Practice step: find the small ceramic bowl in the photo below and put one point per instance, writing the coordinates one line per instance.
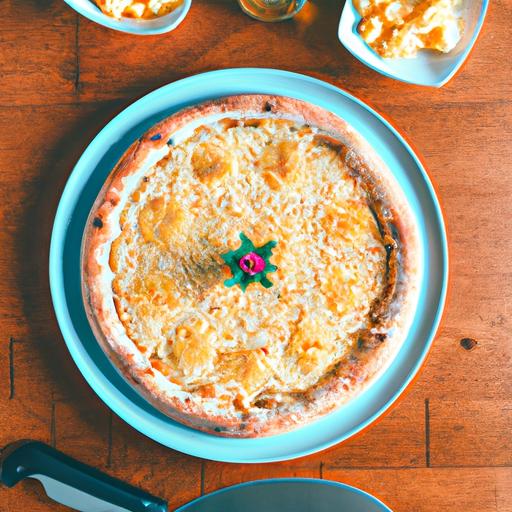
(429, 68)
(153, 26)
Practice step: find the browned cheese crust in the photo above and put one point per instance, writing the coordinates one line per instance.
(390, 315)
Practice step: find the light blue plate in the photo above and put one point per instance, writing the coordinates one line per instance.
(287, 495)
(85, 183)
(430, 68)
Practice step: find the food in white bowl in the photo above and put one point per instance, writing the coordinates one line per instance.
(399, 28)
(429, 67)
(139, 9)
(147, 25)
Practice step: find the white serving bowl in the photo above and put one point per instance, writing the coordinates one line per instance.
(158, 25)
(429, 68)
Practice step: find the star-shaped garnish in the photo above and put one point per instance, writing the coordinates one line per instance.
(250, 264)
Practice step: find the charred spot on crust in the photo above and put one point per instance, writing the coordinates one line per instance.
(368, 340)
(268, 106)
(389, 253)
(325, 140)
(352, 359)
(145, 179)
(381, 337)
(97, 222)
(376, 218)
(157, 136)
(381, 308)
(394, 232)
(391, 242)
(220, 429)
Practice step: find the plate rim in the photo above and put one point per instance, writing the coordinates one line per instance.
(286, 480)
(57, 288)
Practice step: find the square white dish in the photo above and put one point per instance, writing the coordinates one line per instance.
(154, 26)
(429, 68)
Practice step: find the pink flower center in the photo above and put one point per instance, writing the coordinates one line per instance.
(252, 263)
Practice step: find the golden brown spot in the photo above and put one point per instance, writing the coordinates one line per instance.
(272, 180)
(253, 123)
(312, 359)
(211, 162)
(162, 367)
(194, 347)
(207, 391)
(183, 332)
(281, 158)
(173, 224)
(150, 216)
(115, 253)
(229, 123)
(246, 367)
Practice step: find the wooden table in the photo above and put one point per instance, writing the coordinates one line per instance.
(448, 444)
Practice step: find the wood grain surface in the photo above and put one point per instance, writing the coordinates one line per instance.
(447, 445)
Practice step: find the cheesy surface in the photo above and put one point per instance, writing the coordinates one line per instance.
(271, 179)
(399, 28)
(137, 8)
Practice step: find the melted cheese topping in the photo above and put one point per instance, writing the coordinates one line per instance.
(272, 180)
(399, 28)
(138, 8)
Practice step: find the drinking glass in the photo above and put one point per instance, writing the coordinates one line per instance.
(271, 10)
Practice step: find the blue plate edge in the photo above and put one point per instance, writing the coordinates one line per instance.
(55, 282)
(272, 481)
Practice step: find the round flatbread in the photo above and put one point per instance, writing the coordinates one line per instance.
(250, 265)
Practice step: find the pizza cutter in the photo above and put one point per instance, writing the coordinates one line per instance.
(87, 489)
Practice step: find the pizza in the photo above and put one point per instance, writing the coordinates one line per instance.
(250, 265)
